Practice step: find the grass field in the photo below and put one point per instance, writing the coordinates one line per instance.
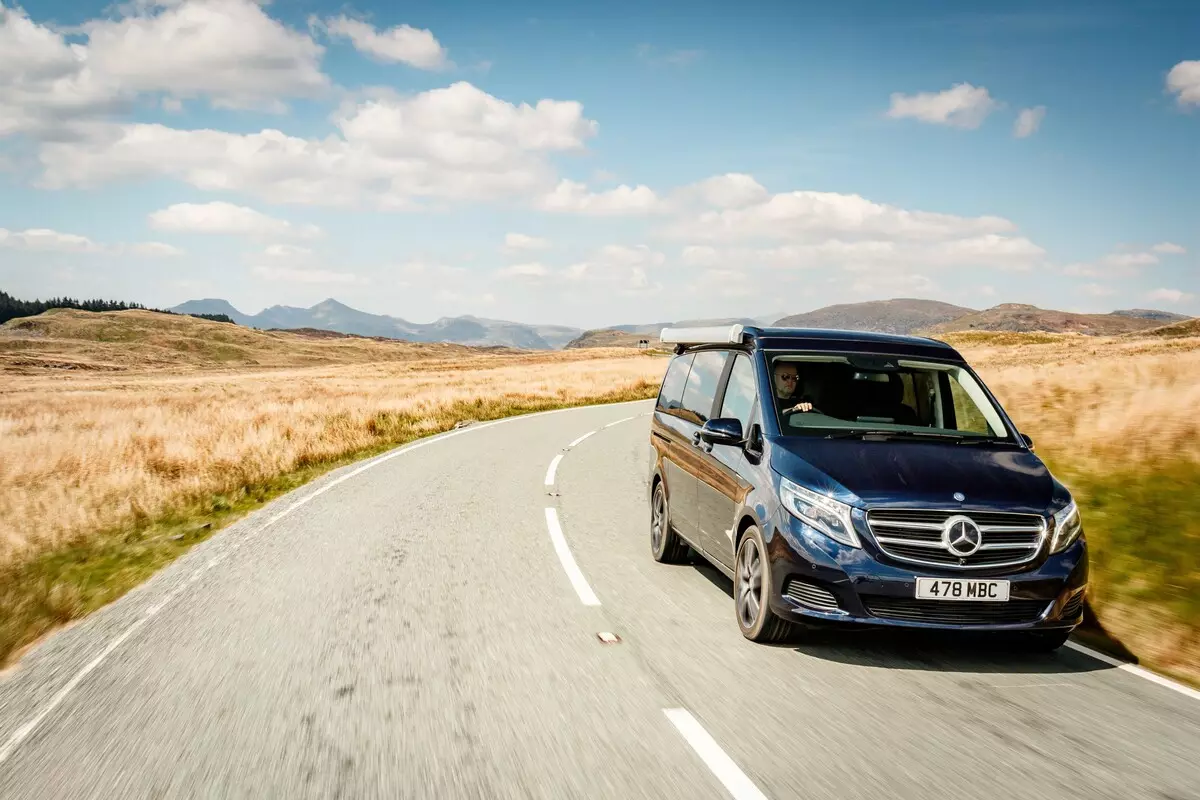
(1118, 421)
(128, 437)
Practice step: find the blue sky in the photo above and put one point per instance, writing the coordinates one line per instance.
(677, 161)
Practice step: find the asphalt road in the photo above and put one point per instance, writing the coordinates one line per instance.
(412, 629)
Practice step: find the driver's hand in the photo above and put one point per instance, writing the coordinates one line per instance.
(802, 407)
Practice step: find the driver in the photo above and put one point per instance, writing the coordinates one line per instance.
(787, 382)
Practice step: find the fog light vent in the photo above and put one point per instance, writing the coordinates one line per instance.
(811, 595)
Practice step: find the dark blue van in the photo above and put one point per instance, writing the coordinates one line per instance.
(861, 479)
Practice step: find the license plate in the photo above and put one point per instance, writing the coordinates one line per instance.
(962, 589)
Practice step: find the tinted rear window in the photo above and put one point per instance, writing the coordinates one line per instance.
(670, 396)
(740, 393)
(701, 387)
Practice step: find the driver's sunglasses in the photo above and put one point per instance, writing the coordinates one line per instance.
(789, 377)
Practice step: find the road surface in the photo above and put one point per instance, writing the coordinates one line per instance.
(428, 624)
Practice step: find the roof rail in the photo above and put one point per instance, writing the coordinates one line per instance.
(721, 334)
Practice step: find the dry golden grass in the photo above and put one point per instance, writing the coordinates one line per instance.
(1133, 401)
(86, 453)
(1118, 420)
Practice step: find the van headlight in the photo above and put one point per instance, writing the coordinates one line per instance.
(823, 513)
(1067, 527)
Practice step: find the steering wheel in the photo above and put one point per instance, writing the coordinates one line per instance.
(793, 410)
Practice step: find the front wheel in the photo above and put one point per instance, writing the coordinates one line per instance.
(752, 589)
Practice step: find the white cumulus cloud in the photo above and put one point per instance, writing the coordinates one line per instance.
(456, 142)
(1170, 295)
(519, 241)
(1184, 81)
(806, 213)
(625, 269)
(228, 51)
(961, 106)
(732, 190)
(220, 217)
(403, 43)
(700, 255)
(1028, 121)
(1170, 248)
(157, 249)
(529, 270)
(1115, 264)
(46, 240)
(572, 196)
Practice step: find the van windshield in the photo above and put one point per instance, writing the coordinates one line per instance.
(832, 394)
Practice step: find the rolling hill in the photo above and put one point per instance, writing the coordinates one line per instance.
(1186, 328)
(900, 315)
(334, 316)
(1023, 318)
(1163, 317)
(117, 341)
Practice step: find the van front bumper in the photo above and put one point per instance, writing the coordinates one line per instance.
(817, 580)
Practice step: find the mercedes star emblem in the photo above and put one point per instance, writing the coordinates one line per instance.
(961, 536)
(959, 496)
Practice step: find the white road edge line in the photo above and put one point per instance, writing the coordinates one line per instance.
(23, 732)
(553, 467)
(586, 595)
(722, 766)
(1136, 670)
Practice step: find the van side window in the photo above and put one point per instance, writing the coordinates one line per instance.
(701, 389)
(740, 392)
(670, 396)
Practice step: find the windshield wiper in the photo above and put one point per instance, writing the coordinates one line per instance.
(858, 433)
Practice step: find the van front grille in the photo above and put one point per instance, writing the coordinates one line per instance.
(919, 536)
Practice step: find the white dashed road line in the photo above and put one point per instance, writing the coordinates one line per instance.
(722, 766)
(553, 467)
(580, 439)
(586, 595)
(23, 732)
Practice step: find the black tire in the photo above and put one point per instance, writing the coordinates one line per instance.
(1042, 641)
(755, 618)
(665, 544)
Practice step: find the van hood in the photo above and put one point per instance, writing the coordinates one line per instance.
(918, 473)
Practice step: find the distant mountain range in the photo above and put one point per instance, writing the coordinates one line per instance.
(899, 315)
(334, 316)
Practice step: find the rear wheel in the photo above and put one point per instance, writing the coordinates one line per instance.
(665, 544)
(751, 590)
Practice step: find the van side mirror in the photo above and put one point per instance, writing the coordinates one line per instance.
(1027, 440)
(724, 430)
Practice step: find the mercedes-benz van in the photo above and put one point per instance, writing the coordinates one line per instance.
(841, 477)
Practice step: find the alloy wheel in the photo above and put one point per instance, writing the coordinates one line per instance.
(749, 583)
(657, 518)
